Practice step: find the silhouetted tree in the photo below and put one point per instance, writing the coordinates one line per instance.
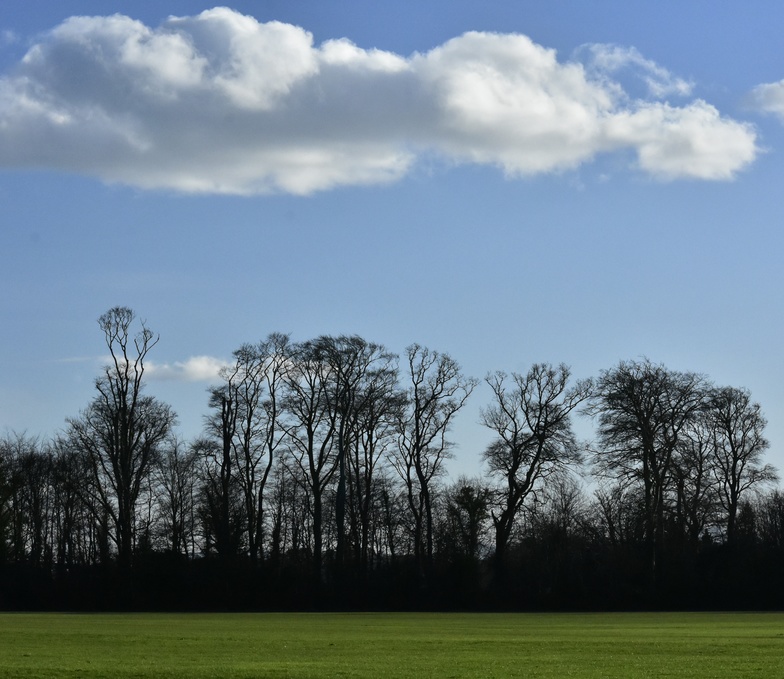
(563, 505)
(436, 392)
(82, 525)
(643, 411)
(291, 533)
(355, 370)
(25, 484)
(33, 493)
(176, 485)
(531, 419)
(311, 426)
(558, 528)
(5, 496)
(695, 503)
(248, 426)
(375, 410)
(122, 429)
(392, 510)
(618, 514)
(467, 516)
(217, 453)
(738, 445)
(320, 478)
(771, 520)
(220, 503)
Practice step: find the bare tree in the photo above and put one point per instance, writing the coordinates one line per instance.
(220, 503)
(311, 426)
(122, 429)
(617, 514)
(176, 476)
(355, 369)
(563, 508)
(364, 396)
(531, 419)
(695, 489)
(75, 510)
(771, 519)
(643, 411)
(249, 431)
(738, 445)
(436, 392)
(217, 453)
(391, 510)
(291, 534)
(378, 408)
(26, 462)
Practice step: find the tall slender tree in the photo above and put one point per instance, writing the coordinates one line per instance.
(436, 392)
(379, 405)
(252, 387)
(122, 429)
(176, 498)
(695, 497)
(361, 381)
(311, 426)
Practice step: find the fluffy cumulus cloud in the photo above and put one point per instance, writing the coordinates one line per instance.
(770, 98)
(195, 369)
(222, 103)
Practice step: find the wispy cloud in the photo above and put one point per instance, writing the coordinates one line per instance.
(608, 61)
(222, 103)
(769, 98)
(194, 369)
(8, 38)
(77, 359)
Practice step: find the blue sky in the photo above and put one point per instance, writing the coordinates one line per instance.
(507, 182)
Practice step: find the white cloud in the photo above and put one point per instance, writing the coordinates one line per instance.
(222, 103)
(194, 369)
(694, 141)
(502, 99)
(604, 61)
(769, 98)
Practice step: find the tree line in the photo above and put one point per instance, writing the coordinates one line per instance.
(319, 480)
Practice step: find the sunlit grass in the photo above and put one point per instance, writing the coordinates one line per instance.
(392, 645)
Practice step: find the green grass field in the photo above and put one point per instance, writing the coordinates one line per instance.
(729, 645)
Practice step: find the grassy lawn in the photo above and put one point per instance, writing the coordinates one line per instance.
(729, 645)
